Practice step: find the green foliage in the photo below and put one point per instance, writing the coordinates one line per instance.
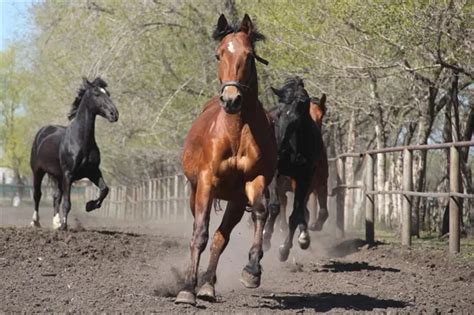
(13, 123)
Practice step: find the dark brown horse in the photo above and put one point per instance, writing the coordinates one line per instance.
(302, 165)
(319, 187)
(70, 153)
(229, 153)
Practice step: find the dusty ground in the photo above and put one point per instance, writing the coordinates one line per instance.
(138, 267)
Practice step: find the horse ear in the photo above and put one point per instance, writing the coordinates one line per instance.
(322, 103)
(276, 91)
(246, 26)
(86, 82)
(222, 24)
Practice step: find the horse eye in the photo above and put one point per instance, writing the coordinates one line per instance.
(217, 57)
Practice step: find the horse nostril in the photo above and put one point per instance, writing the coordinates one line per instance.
(237, 100)
(221, 98)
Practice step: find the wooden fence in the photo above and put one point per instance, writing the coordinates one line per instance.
(407, 192)
(165, 198)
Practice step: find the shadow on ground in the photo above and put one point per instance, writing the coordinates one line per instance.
(349, 246)
(325, 302)
(338, 266)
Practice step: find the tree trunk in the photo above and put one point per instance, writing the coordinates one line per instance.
(349, 165)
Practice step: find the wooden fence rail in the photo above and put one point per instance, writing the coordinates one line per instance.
(165, 198)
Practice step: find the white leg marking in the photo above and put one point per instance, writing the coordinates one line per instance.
(56, 221)
(36, 218)
(304, 236)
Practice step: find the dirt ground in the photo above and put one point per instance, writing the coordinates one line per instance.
(101, 265)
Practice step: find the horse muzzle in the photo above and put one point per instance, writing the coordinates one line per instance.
(231, 97)
(112, 116)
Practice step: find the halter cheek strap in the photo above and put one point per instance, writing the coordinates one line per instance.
(237, 84)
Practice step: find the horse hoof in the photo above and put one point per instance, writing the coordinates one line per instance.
(207, 293)
(266, 244)
(304, 244)
(35, 224)
(304, 240)
(185, 297)
(91, 205)
(250, 280)
(284, 253)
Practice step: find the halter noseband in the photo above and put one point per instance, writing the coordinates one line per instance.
(237, 84)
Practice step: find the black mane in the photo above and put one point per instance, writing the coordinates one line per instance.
(293, 89)
(234, 27)
(98, 82)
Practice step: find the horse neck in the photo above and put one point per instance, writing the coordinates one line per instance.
(84, 124)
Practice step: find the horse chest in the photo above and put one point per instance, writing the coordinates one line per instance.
(243, 160)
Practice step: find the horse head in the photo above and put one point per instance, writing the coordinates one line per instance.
(318, 109)
(236, 56)
(100, 102)
(293, 103)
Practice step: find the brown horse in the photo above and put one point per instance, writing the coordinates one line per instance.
(229, 153)
(318, 188)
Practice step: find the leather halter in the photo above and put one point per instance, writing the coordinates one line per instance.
(241, 87)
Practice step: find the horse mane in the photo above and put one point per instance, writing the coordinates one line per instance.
(234, 27)
(292, 89)
(98, 82)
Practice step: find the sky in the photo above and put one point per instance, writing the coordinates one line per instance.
(13, 20)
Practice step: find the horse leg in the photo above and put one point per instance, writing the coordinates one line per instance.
(274, 210)
(283, 204)
(201, 208)
(297, 219)
(99, 181)
(252, 272)
(233, 214)
(57, 197)
(67, 182)
(322, 193)
(37, 179)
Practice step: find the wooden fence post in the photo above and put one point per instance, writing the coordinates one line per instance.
(407, 200)
(186, 194)
(176, 195)
(340, 196)
(369, 199)
(454, 235)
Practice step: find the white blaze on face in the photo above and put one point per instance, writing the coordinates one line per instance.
(56, 221)
(102, 90)
(230, 47)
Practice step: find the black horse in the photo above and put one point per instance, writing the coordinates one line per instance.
(298, 139)
(70, 153)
